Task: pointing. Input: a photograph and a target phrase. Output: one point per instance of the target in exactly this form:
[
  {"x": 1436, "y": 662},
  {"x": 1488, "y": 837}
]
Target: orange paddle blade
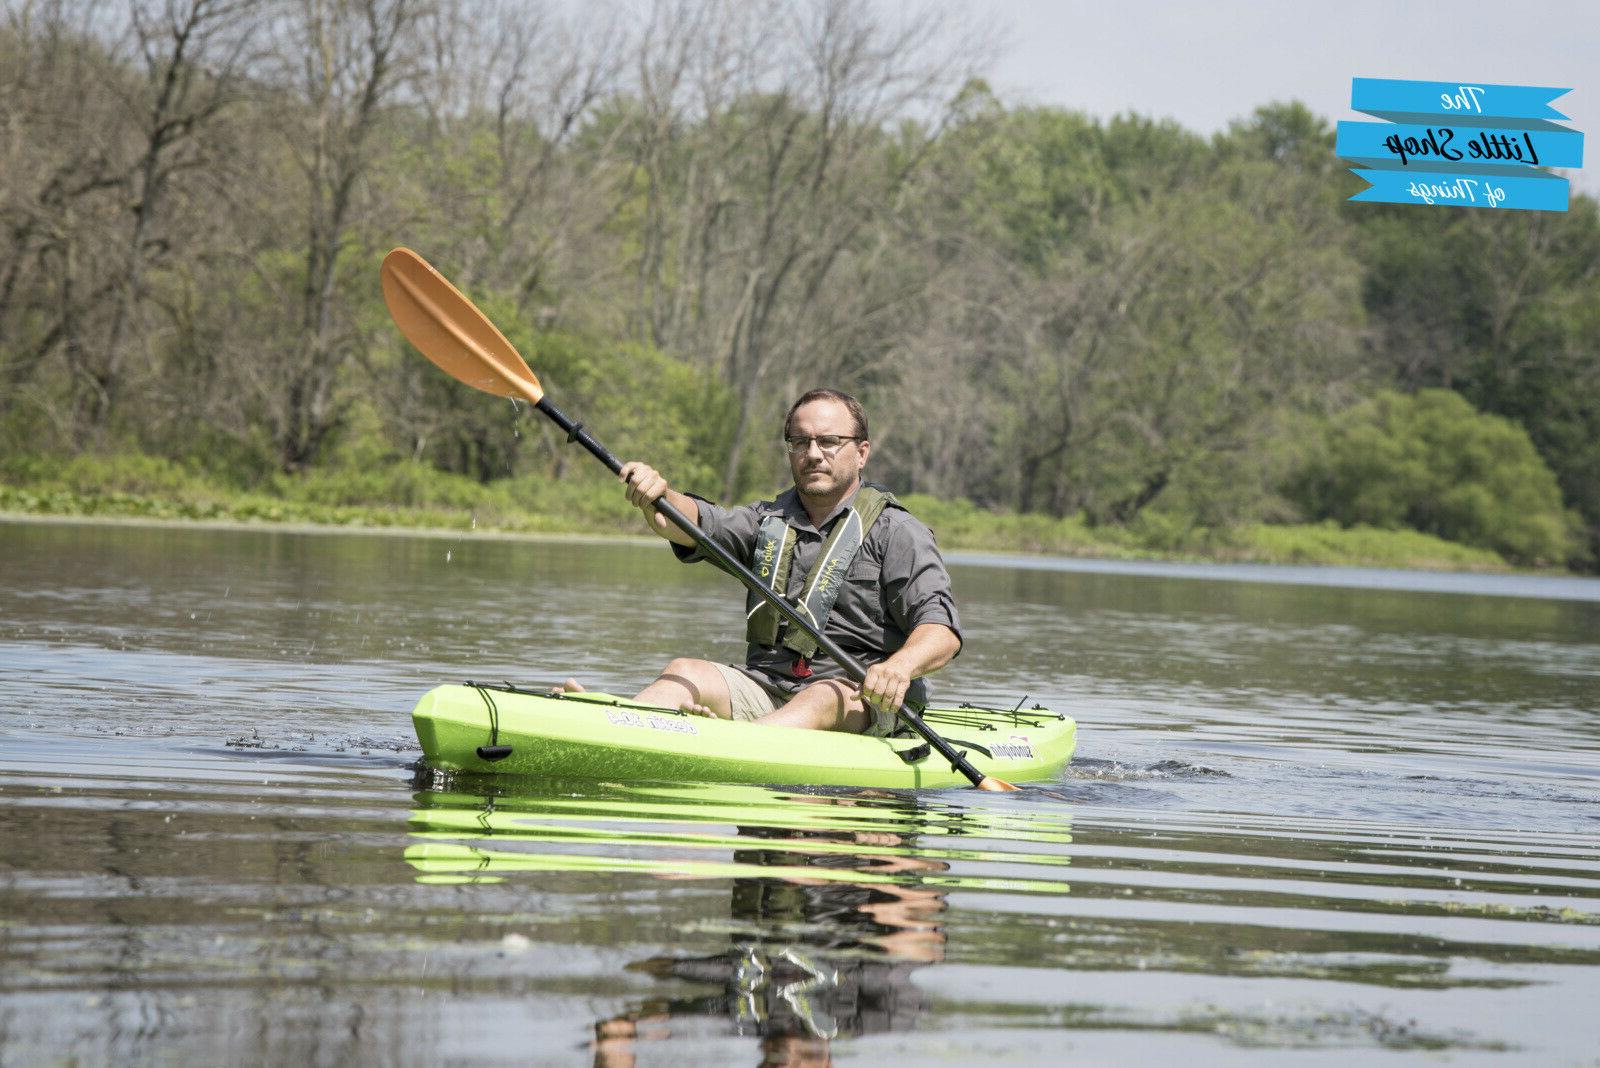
[
  {"x": 449, "y": 329},
  {"x": 999, "y": 786}
]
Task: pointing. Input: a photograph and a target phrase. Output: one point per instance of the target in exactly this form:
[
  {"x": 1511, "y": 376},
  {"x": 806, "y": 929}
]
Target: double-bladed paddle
[{"x": 450, "y": 330}]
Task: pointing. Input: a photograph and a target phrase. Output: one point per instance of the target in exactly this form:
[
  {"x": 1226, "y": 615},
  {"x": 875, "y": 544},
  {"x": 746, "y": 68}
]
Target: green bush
[
  {"x": 399, "y": 485},
  {"x": 1358, "y": 546},
  {"x": 960, "y": 524},
  {"x": 132, "y": 474},
  {"x": 1433, "y": 463},
  {"x": 642, "y": 403}
]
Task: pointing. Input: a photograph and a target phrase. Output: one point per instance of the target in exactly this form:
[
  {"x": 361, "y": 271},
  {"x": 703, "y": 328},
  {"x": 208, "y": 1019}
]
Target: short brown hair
[{"x": 853, "y": 406}]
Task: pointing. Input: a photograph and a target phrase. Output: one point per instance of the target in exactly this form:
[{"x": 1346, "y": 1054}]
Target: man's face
[{"x": 817, "y": 474}]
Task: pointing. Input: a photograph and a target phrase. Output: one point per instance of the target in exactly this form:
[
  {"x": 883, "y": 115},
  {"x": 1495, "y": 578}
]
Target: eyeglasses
[{"x": 828, "y": 443}]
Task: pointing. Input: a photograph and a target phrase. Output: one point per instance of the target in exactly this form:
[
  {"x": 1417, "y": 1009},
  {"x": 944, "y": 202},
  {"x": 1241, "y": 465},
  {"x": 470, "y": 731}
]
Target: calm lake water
[{"x": 1335, "y": 815}]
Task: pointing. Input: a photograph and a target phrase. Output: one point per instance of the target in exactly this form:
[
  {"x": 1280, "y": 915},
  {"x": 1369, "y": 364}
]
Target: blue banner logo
[
  {"x": 1386, "y": 97},
  {"x": 1535, "y": 192},
  {"x": 1465, "y": 144}
]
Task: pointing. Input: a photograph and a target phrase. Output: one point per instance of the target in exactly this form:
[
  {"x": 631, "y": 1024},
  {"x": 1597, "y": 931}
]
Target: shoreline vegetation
[
  {"x": 413, "y": 498},
  {"x": 1095, "y": 337}
]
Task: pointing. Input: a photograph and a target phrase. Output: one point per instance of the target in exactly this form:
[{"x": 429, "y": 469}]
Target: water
[{"x": 1339, "y": 822}]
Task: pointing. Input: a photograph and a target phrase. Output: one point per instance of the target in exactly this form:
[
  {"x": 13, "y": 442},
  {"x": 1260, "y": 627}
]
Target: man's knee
[
  {"x": 700, "y": 677},
  {"x": 836, "y": 694},
  {"x": 689, "y": 668},
  {"x": 830, "y": 704}
]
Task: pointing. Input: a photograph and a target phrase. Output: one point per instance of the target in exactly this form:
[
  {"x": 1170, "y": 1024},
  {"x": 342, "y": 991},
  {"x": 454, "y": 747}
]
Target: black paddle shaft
[{"x": 852, "y": 666}]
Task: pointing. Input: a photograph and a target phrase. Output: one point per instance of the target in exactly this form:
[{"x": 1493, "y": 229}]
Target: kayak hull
[{"x": 498, "y": 731}]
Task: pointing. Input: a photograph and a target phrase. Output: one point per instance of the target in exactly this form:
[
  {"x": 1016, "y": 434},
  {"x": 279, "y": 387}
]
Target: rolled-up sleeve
[
  {"x": 916, "y": 585},
  {"x": 732, "y": 528}
]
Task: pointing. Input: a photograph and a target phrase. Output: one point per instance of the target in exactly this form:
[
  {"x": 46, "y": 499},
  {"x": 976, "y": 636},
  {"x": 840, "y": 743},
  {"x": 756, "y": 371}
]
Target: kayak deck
[{"x": 503, "y": 730}]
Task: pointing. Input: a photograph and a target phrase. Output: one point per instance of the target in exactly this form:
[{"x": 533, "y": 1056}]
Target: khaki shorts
[{"x": 748, "y": 701}]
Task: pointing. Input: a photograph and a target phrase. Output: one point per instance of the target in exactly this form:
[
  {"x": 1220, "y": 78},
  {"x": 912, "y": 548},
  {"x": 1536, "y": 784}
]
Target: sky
[{"x": 1205, "y": 62}]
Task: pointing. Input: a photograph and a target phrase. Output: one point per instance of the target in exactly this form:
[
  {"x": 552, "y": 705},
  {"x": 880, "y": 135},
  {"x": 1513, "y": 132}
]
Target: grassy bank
[
  {"x": 414, "y": 496},
  {"x": 963, "y": 525},
  {"x": 399, "y": 495}
]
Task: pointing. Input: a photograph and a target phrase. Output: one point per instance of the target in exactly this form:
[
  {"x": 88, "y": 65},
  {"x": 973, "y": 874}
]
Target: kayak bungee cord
[{"x": 494, "y": 750}]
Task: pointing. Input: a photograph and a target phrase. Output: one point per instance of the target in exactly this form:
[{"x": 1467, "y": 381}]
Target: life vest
[{"x": 775, "y": 553}]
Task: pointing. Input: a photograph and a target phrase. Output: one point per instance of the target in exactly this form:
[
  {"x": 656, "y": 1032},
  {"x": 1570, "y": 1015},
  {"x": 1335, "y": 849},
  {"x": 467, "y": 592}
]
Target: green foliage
[
  {"x": 1193, "y": 320},
  {"x": 1036, "y": 176},
  {"x": 641, "y": 402},
  {"x": 1433, "y": 463},
  {"x": 402, "y": 485},
  {"x": 1504, "y": 309},
  {"x": 1111, "y": 335},
  {"x": 1033, "y": 179},
  {"x": 412, "y": 495},
  {"x": 1358, "y": 546},
  {"x": 128, "y": 474},
  {"x": 403, "y": 494},
  {"x": 1297, "y": 142},
  {"x": 963, "y": 524}
]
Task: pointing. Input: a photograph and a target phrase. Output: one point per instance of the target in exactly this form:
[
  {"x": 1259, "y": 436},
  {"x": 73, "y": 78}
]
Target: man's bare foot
[{"x": 570, "y": 686}]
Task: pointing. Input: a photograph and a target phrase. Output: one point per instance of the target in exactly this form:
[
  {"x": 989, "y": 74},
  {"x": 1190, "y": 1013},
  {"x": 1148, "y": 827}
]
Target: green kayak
[{"x": 503, "y": 730}]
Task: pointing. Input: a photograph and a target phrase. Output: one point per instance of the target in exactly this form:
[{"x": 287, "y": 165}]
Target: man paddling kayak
[{"x": 862, "y": 566}]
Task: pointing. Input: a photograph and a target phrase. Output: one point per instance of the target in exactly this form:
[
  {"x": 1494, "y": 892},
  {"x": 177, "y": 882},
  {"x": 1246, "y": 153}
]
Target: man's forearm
[
  {"x": 929, "y": 647},
  {"x": 666, "y": 527}
]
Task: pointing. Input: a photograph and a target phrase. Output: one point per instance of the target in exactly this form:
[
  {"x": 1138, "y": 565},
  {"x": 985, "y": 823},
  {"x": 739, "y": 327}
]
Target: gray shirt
[{"x": 896, "y": 582}]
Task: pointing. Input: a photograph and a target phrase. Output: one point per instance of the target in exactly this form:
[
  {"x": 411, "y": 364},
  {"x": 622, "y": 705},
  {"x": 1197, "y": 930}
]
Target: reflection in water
[
  {"x": 836, "y": 899},
  {"x": 818, "y": 959},
  {"x": 1305, "y": 821}
]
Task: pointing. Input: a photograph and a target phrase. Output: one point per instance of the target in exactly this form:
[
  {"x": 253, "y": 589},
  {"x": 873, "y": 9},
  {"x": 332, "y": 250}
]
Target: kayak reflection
[
  {"x": 468, "y": 838},
  {"x": 836, "y": 899}
]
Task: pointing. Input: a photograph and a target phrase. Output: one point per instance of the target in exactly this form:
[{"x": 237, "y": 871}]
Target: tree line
[{"x": 685, "y": 214}]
